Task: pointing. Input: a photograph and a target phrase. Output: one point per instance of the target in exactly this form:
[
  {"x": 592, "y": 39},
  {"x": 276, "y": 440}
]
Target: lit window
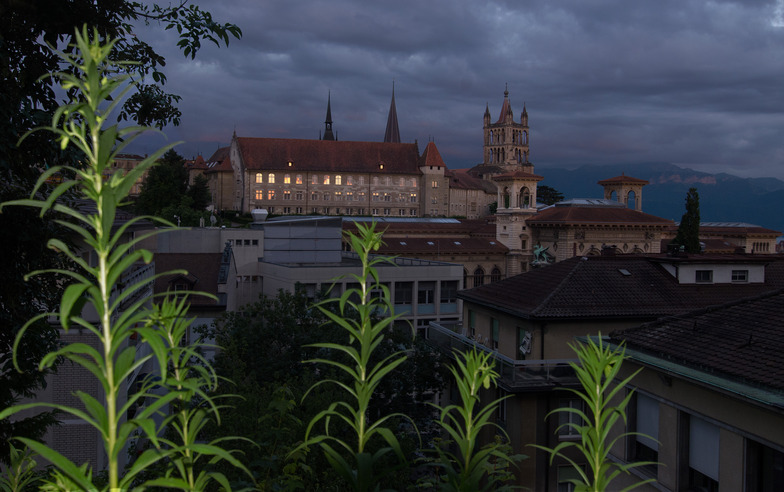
[
  {"x": 349, "y": 196},
  {"x": 350, "y": 180},
  {"x": 299, "y": 179},
  {"x": 314, "y": 179},
  {"x": 435, "y": 183},
  {"x": 259, "y": 194},
  {"x": 326, "y": 179},
  {"x": 413, "y": 197},
  {"x": 287, "y": 195},
  {"x": 740, "y": 275},
  {"x": 259, "y": 178},
  {"x": 338, "y": 195},
  {"x": 375, "y": 196},
  {"x": 387, "y": 197},
  {"x": 271, "y": 194},
  {"x": 338, "y": 179},
  {"x": 271, "y": 178},
  {"x": 361, "y": 196},
  {"x": 287, "y": 179}
]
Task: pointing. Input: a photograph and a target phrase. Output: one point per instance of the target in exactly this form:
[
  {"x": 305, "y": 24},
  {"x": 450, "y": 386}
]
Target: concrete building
[{"x": 528, "y": 322}]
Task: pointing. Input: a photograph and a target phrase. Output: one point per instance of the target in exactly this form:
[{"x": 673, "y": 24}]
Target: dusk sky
[{"x": 695, "y": 83}]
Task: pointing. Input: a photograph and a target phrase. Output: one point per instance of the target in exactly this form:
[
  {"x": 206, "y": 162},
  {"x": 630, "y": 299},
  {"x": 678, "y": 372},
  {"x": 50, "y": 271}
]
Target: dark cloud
[{"x": 695, "y": 83}]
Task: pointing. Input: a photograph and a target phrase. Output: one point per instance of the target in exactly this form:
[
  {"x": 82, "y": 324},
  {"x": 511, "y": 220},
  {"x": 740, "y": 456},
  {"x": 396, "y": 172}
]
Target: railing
[{"x": 515, "y": 375}]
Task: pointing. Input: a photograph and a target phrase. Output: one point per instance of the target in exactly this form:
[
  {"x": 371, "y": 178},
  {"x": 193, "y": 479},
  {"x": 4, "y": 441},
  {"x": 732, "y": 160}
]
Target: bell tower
[{"x": 506, "y": 141}]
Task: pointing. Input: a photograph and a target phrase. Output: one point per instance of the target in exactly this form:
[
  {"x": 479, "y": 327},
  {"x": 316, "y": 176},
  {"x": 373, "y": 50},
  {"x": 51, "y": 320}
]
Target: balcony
[{"x": 516, "y": 376}]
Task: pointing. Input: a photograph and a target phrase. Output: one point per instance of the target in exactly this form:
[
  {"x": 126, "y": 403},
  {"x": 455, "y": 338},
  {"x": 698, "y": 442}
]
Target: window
[
  {"x": 740, "y": 275},
  {"x": 646, "y": 421},
  {"x": 567, "y": 420},
  {"x": 387, "y": 197},
  {"x": 434, "y": 200},
  {"x": 471, "y": 322},
  {"x": 361, "y": 180},
  {"x": 326, "y": 197},
  {"x": 298, "y": 210},
  {"x": 387, "y": 211},
  {"x": 287, "y": 195},
  {"x": 287, "y": 178},
  {"x": 412, "y": 197},
  {"x": 271, "y": 178},
  {"x": 449, "y": 292},
  {"x": 435, "y": 183},
  {"x": 375, "y": 196},
  {"x": 404, "y": 293},
  {"x": 495, "y": 275},
  {"x": 299, "y": 196},
  {"x": 350, "y": 180},
  {"x": 314, "y": 179},
  {"x": 271, "y": 194},
  {"x": 374, "y": 211},
  {"x": 314, "y": 196},
  {"x": 259, "y": 194},
  {"x": 704, "y": 276},
  {"x": 338, "y": 195},
  {"x": 496, "y": 332},
  {"x": 349, "y": 196},
  {"x": 286, "y": 210},
  {"x": 402, "y": 181},
  {"x": 326, "y": 179},
  {"x": 426, "y": 292},
  {"x": 703, "y": 455},
  {"x": 412, "y": 212},
  {"x": 298, "y": 179},
  {"x": 259, "y": 178},
  {"x": 764, "y": 467},
  {"x": 361, "y": 196},
  {"x": 479, "y": 276},
  {"x": 565, "y": 474},
  {"x": 401, "y": 212},
  {"x": 338, "y": 179}
]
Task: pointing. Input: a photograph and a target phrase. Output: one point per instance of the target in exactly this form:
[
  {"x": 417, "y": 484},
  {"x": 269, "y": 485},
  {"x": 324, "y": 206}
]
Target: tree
[
  {"x": 165, "y": 185},
  {"x": 548, "y": 195},
  {"x": 199, "y": 192},
  {"x": 28, "y": 100},
  {"x": 688, "y": 234}
]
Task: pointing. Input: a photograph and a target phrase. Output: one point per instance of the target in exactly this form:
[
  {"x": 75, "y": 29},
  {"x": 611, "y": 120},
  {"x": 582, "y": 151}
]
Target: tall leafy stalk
[
  {"x": 472, "y": 468},
  {"x": 98, "y": 85},
  {"x": 355, "y": 458},
  {"x": 598, "y": 367}
]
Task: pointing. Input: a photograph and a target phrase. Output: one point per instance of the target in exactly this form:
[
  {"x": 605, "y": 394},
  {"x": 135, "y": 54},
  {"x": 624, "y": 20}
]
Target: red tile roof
[
  {"x": 406, "y": 246},
  {"x": 431, "y": 156},
  {"x": 595, "y": 287},
  {"x": 741, "y": 340},
  {"x": 462, "y": 180},
  {"x": 584, "y": 215},
  {"x": 517, "y": 175},
  {"x": 623, "y": 180},
  {"x": 328, "y": 156}
]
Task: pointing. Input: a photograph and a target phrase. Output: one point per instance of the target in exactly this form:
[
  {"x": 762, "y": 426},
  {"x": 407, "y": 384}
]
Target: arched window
[
  {"x": 631, "y": 200},
  {"x": 479, "y": 276},
  {"x": 495, "y": 275},
  {"x": 506, "y": 197},
  {"x": 614, "y": 196},
  {"x": 524, "y": 200},
  {"x": 271, "y": 178}
]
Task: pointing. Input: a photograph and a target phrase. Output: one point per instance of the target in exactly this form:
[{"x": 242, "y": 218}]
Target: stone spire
[
  {"x": 392, "y": 135},
  {"x": 328, "y": 135}
]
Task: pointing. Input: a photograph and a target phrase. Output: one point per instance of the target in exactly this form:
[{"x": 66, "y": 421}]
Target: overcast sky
[{"x": 699, "y": 84}]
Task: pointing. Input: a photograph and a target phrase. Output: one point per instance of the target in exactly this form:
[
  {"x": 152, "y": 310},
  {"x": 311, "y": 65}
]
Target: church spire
[
  {"x": 392, "y": 135},
  {"x": 328, "y": 135}
]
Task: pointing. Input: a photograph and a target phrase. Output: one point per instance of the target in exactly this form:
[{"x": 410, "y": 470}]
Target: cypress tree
[{"x": 689, "y": 229}]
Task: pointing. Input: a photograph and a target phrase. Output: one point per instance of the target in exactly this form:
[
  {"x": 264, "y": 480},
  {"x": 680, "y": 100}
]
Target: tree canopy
[
  {"x": 28, "y": 100},
  {"x": 548, "y": 195},
  {"x": 688, "y": 234}
]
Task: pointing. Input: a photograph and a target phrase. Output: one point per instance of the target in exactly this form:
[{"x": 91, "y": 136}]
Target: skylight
[{"x": 624, "y": 272}]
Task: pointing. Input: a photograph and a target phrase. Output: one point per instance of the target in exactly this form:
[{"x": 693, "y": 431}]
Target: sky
[{"x": 695, "y": 83}]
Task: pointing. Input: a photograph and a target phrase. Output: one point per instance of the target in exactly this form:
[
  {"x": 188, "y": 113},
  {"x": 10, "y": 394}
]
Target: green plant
[
  {"x": 20, "y": 474},
  {"x": 98, "y": 85},
  {"x": 471, "y": 468},
  {"x": 598, "y": 368},
  {"x": 355, "y": 458}
]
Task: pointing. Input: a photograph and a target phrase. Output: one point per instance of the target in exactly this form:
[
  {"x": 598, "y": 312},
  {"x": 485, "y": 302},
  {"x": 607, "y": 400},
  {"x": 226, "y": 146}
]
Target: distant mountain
[{"x": 723, "y": 197}]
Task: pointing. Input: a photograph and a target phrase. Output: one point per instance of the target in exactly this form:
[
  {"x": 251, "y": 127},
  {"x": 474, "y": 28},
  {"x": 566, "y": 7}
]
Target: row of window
[
  {"x": 349, "y": 196},
  {"x": 479, "y": 277},
  {"x": 706, "y": 276},
  {"x": 337, "y": 179},
  {"x": 401, "y": 212}
]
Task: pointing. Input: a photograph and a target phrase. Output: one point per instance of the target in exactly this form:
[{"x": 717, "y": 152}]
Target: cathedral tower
[
  {"x": 328, "y": 135},
  {"x": 392, "y": 135},
  {"x": 506, "y": 141}
]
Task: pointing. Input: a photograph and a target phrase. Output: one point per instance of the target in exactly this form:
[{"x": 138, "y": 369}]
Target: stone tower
[
  {"x": 505, "y": 141},
  {"x": 328, "y": 135},
  {"x": 624, "y": 189}
]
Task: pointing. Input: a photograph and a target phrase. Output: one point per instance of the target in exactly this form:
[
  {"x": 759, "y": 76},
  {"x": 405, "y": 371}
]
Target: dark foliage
[{"x": 688, "y": 234}]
